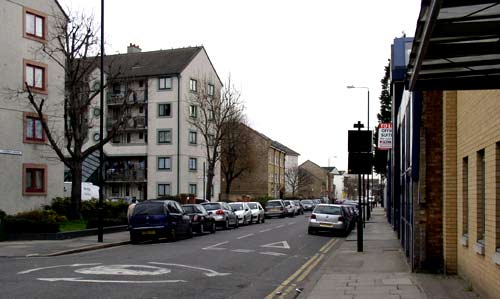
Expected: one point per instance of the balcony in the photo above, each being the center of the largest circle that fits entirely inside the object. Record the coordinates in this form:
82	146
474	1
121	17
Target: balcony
126	175
135	97
134	123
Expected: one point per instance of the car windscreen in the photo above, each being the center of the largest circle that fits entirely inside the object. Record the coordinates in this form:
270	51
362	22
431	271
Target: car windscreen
273	204
307	202
253	206
211	206
189	209
236	206
149	209
330	210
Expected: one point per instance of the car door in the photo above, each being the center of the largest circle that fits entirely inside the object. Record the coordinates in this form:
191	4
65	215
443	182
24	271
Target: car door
229	211
185	219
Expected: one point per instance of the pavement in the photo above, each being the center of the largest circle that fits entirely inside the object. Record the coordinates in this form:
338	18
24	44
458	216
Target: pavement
60	247
380	271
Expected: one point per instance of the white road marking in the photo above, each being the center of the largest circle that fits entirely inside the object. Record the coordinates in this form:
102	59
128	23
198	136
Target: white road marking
272	253
209	272
249	235
265	230
291	223
78	279
58	266
243	250
124	270
215	246
280	244
32	254
280	226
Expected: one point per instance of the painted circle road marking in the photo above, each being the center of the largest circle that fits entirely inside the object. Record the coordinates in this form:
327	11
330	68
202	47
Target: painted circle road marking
124	270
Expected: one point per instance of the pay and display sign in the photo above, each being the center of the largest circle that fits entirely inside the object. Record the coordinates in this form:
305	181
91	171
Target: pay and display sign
384	136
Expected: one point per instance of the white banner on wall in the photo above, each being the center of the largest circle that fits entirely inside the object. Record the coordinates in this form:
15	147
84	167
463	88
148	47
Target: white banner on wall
385	136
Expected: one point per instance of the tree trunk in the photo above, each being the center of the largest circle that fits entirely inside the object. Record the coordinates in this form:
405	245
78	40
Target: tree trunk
210	178
76	191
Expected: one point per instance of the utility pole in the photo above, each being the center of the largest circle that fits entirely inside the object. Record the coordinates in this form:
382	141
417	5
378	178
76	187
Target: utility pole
359	125
101	135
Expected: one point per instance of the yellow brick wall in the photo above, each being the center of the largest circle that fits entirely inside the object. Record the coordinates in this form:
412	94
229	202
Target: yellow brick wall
478	127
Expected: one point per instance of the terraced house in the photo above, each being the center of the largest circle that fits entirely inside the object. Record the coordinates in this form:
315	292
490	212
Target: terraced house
31	173
157	152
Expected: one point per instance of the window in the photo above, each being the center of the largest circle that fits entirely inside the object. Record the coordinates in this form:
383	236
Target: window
35	75
211	115
465	196
193	136
211	89
481	197
141	109
34	179
164	110
192	164
165	83
164	136
211	139
128	137
117	88
115	190
141	135
33	130
192	189
193	111
164	163
193	85
164	190
35	25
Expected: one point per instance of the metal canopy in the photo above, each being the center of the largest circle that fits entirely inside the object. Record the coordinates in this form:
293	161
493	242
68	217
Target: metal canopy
456	46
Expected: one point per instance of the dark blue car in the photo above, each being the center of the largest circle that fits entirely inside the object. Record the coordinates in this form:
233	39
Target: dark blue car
154	219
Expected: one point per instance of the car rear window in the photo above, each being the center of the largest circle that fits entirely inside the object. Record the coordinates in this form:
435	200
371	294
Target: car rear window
273	204
149	209
253	206
189	209
330	210
236	206
211	206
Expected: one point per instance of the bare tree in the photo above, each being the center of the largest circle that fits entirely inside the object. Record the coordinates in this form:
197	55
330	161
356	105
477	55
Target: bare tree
351	186
292	179
236	156
305	180
74	46
216	111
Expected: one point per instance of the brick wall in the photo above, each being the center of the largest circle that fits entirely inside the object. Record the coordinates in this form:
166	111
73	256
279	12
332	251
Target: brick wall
478	128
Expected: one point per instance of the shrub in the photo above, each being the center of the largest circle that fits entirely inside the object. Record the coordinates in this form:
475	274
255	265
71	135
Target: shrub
2	217
61	205
263	199
37	221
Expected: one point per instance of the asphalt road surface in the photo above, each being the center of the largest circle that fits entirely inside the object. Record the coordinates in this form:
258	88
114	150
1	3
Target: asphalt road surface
254	261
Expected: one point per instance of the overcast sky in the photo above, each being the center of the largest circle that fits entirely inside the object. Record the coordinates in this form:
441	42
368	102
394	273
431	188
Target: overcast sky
292	60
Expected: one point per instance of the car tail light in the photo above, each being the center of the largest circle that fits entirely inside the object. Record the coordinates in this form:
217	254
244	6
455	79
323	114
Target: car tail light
219	212
313	216
341	219
281	208
195	218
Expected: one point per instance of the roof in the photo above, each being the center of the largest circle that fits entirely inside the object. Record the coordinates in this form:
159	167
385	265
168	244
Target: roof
456	46
276	144
331	169
153	63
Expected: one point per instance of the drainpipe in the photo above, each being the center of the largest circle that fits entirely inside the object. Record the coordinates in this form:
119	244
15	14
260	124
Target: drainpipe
178	133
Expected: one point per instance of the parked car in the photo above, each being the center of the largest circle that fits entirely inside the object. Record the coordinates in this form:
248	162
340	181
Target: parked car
290	208
328	217
275	208
350	214
257	212
299	206
307	204
200	220
153	219
222	213
243	212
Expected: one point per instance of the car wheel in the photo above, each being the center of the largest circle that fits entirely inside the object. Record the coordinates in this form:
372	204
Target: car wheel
226	224
201	230
134	238
311	231
263	220
190	232
245	222
172	235
213	228
236	223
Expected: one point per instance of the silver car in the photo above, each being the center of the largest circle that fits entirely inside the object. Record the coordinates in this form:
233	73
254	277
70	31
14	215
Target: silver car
257	212
328	217
242	211
307	204
290	208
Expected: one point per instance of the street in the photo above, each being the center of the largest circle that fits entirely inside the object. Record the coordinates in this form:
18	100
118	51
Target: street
249	262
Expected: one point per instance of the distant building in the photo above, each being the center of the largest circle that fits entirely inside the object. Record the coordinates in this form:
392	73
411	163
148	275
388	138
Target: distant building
32	175
314	181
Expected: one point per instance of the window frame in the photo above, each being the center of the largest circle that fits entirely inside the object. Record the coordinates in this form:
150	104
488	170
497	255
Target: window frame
190	135
158	185
165	78
195	160
27	139
159	109
193	111
193	85
35	65
36	14
158	131
210	89
195	189
164	158
36	167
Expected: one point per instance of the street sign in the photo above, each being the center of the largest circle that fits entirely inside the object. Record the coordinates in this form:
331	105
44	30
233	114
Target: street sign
359	163
359	141
384	136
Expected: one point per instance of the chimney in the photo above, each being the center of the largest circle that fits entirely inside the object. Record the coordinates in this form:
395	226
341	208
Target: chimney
133	48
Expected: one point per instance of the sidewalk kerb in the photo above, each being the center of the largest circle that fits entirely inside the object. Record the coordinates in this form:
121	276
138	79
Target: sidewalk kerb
87	248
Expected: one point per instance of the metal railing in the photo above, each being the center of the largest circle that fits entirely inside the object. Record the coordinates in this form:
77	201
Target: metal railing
126	175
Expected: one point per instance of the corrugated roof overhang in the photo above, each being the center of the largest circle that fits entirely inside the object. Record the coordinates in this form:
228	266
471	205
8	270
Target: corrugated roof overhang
456	46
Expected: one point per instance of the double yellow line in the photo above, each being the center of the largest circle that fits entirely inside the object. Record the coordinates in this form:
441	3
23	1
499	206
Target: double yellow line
302	272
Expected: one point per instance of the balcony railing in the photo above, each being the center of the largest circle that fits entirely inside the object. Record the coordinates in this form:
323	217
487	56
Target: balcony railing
136	122
135	97
126	175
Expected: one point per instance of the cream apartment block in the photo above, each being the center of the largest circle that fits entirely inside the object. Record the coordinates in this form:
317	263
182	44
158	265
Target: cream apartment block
158	152
31	174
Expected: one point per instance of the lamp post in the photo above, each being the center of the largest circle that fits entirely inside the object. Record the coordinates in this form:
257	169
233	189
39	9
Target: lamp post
101	134
368	214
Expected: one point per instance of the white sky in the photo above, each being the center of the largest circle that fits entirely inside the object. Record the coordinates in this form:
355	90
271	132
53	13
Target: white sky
292	60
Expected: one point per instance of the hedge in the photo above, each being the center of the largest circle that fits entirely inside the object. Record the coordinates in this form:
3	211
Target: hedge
38	221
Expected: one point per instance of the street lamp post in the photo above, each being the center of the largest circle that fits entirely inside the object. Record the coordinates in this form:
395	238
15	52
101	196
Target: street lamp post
368	214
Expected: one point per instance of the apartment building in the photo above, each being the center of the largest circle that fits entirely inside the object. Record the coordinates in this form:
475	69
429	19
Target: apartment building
31	173
157	152
314	180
